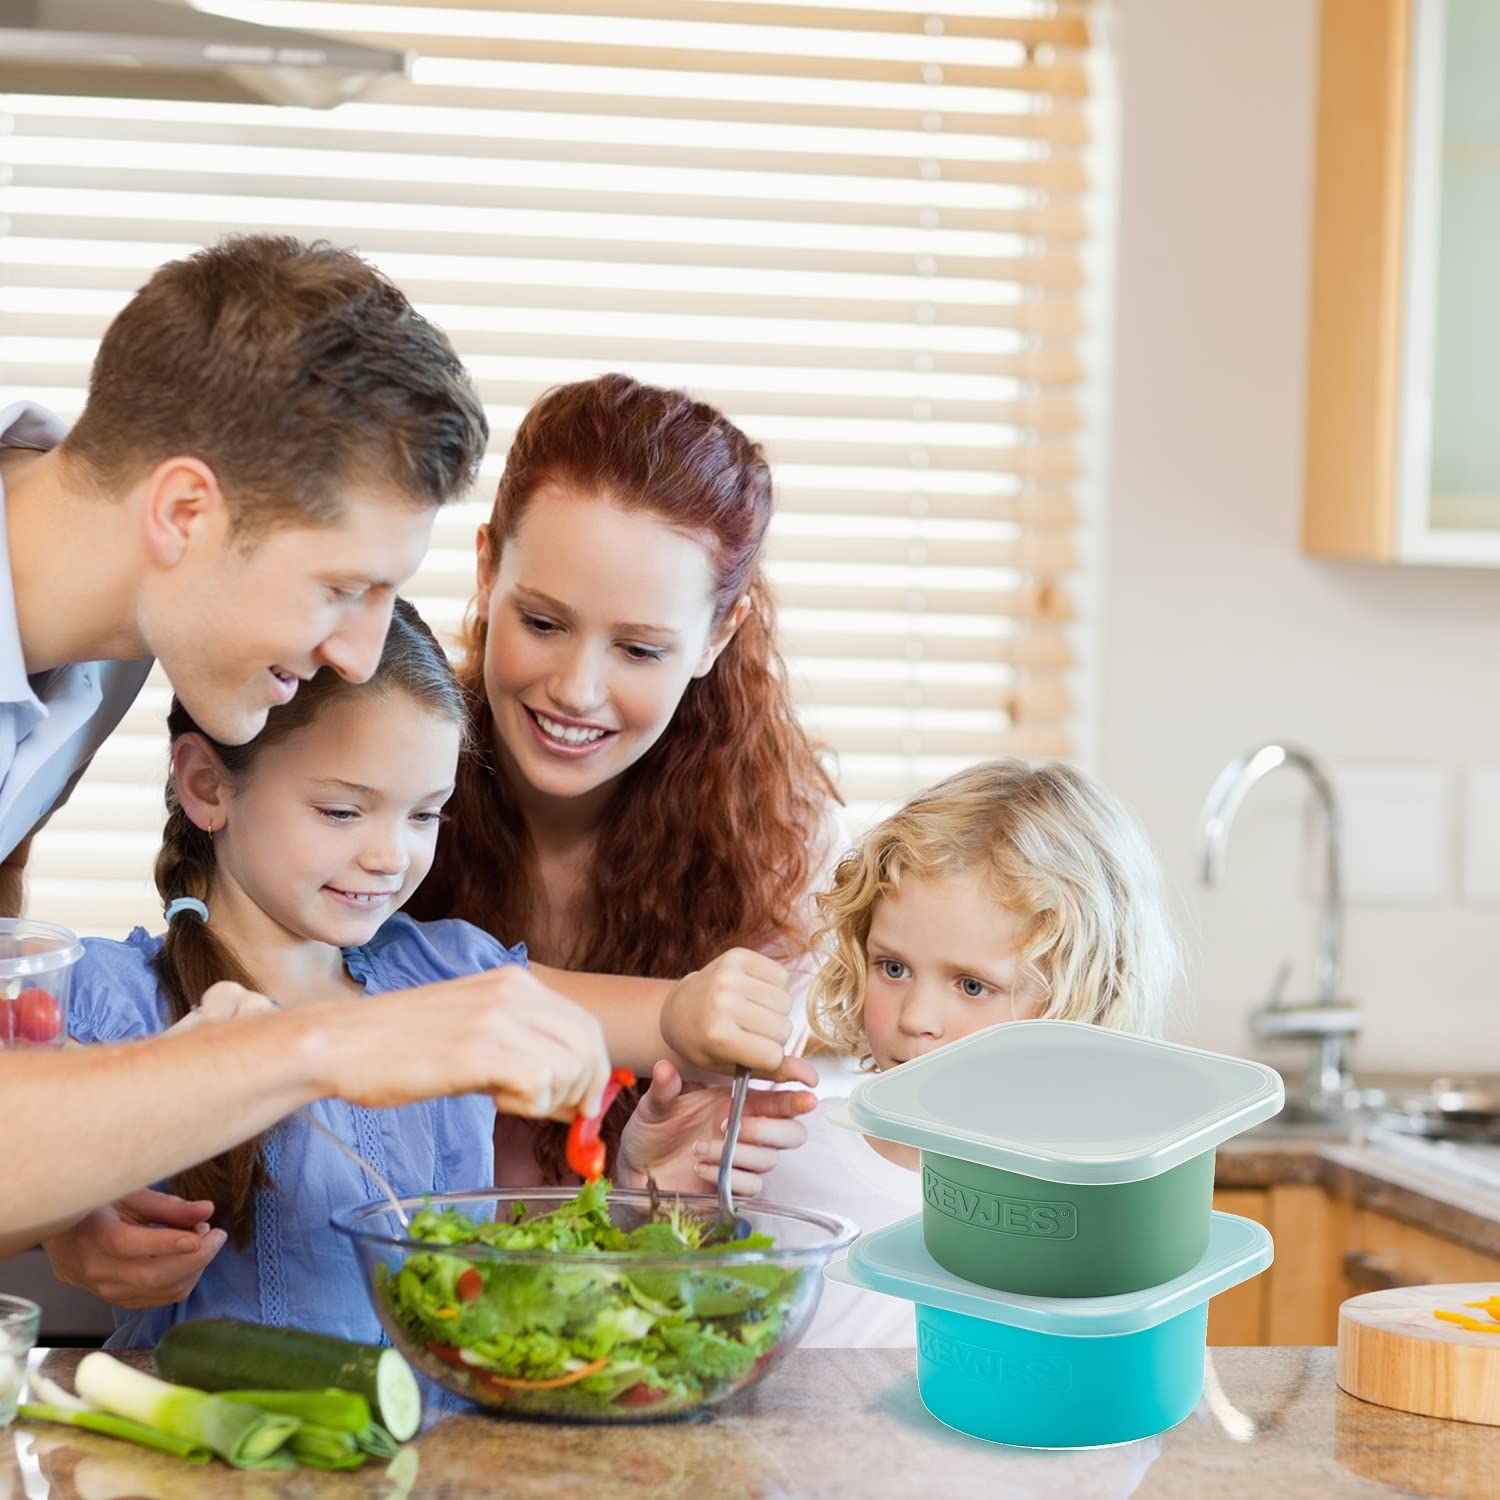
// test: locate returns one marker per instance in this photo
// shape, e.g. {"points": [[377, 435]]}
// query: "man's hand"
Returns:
{"points": [[677, 1136], [501, 1032], [147, 1250]]}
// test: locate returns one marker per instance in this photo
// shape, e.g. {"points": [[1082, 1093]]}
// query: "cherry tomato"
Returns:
{"points": [[37, 1016], [470, 1284], [640, 1394]]}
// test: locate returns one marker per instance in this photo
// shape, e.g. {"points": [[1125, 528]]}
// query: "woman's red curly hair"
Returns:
{"points": [[708, 839]]}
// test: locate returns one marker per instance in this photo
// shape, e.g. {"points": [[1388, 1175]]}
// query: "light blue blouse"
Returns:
{"points": [[298, 1271]]}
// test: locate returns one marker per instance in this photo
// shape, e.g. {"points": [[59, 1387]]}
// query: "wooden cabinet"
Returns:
{"points": [[1238, 1317], [1297, 1300], [1327, 1249], [1403, 453], [1387, 1252]]}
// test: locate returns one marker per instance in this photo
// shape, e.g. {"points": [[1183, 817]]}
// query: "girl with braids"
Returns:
{"points": [[284, 865], [643, 797]]}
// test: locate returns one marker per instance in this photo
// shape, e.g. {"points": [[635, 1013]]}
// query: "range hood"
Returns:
{"points": [[154, 49]]}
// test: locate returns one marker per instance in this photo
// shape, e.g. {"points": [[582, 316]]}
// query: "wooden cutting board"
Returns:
{"points": [[1394, 1352]]}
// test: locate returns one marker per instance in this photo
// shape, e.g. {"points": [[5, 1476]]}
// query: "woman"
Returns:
{"points": [[649, 799]]}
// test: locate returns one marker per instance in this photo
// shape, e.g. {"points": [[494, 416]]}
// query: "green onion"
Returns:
{"points": [[118, 1427], [282, 1458], [344, 1411], [242, 1435], [45, 1392], [377, 1442], [324, 1448]]}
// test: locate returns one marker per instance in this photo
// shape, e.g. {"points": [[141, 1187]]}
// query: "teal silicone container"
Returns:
{"points": [[1034, 1372], [1031, 1390], [1065, 1160]]}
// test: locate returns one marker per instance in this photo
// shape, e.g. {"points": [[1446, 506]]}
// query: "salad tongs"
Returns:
{"points": [[730, 1225]]}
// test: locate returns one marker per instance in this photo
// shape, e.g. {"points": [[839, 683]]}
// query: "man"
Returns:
{"points": [[269, 430]]}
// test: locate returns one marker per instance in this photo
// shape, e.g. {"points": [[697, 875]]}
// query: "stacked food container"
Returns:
{"points": [[1067, 1247]]}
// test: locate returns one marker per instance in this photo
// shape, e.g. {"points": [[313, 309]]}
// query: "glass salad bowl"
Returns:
{"points": [[591, 1306]]}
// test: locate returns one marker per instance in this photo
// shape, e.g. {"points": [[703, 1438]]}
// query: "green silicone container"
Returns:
{"points": [[1061, 1239], [1064, 1160]]}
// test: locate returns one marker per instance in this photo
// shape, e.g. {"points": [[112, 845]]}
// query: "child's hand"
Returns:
{"points": [[735, 1012], [146, 1250], [677, 1135]]}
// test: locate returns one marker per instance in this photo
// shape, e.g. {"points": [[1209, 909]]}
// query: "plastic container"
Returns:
{"points": [[19, 1320], [37, 961], [1065, 1160], [1039, 1372]]}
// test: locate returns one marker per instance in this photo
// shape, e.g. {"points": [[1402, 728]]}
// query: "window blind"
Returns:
{"points": [[861, 227]]}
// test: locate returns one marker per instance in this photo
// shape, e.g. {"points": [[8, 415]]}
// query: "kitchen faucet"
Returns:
{"points": [[1328, 1092]]}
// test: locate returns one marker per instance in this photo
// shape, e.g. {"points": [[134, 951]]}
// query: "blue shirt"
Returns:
{"points": [[51, 723], [298, 1271]]}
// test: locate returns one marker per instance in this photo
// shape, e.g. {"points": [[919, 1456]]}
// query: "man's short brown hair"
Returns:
{"points": [[290, 369]]}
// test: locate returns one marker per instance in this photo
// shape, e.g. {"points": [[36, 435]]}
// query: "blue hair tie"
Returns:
{"points": [[187, 903]]}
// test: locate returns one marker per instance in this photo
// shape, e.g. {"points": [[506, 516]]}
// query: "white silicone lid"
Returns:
{"points": [[1066, 1102], [895, 1261]]}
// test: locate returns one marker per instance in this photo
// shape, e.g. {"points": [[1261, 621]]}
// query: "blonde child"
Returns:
{"points": [[1011, 891]]}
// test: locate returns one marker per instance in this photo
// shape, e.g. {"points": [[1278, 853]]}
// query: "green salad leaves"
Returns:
{"points": [[611, 1340]]}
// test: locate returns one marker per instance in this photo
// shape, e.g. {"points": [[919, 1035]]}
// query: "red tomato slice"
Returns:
{"points": [[37, 1016], [445, 1352], [640, 1394], [470, 1284]]}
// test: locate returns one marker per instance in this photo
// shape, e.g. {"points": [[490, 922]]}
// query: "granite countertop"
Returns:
{"points": [[842, 1423], [1423, 1183]]}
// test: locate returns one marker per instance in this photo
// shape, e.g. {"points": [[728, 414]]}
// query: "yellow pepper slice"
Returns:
{"points": [[452, 1312], [1463, 1320]]}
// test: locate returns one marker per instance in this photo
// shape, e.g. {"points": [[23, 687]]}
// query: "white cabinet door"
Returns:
{"points": [[1448, 459]]}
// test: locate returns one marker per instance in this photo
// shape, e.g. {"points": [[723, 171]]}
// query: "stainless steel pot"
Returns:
{"points": [[1453, 1109]]}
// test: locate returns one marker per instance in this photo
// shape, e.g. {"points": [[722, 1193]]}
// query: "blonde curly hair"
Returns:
{"points": [[1059, 851]]}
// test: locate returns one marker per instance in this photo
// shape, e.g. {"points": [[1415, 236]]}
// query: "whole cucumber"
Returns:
{"points": [[222, 1354]]}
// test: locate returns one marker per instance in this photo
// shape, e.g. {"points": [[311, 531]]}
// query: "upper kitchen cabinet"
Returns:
{"points": [[1403, 399]]}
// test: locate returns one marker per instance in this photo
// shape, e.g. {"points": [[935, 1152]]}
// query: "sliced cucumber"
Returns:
{"points": [[221, 1354], [398, 1399]]}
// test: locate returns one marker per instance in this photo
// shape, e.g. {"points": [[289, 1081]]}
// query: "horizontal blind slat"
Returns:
{"points": [[119, 266], [566, 130], [203, 217], [433, 21], [979, 18]]}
